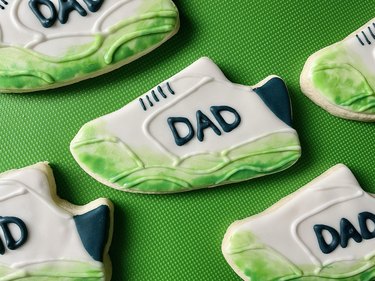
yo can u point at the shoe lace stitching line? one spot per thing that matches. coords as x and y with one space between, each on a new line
2 6
363 38
154 96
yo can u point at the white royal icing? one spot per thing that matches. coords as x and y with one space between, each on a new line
198 87
289 227
358 45
20 27
52 233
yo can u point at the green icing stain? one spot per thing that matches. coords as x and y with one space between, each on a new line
24 69
258 262
54 271
340 78
110 159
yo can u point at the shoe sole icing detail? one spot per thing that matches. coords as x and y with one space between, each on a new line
160 162
294 253
338 79
170 180
108 48
58 245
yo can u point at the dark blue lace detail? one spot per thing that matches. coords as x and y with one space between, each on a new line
367 36
149 100
3 4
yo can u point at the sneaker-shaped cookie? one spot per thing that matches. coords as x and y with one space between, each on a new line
341 77
43 237
50 43
324 231
194 130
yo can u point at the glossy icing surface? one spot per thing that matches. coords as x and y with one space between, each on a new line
41 238
56 42
93 229
195 130
344 73
325 231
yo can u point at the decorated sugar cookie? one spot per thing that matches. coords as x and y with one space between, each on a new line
341 77
194 130
324 231
43 237
50 43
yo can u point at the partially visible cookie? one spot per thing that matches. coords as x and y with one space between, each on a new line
51 43
324 231
194 130
341 77
43 237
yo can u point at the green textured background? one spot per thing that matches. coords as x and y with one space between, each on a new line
178 237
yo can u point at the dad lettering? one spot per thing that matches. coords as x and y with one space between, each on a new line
10 242
347 232
65 8
204 122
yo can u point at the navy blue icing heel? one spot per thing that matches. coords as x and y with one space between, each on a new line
93 228
275 95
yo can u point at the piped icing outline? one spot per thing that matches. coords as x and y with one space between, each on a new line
179 98
353 97
64 266
150 113
104 51
355 267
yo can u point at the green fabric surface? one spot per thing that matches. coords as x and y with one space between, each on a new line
178 237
